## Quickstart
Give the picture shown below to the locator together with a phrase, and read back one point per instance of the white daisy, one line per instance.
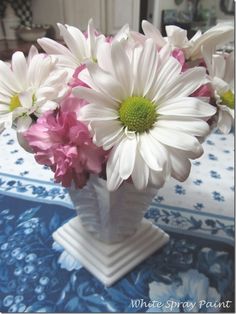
(177, 38)
(221, 74)
(28, 88)
(80, 49)
(140, 109)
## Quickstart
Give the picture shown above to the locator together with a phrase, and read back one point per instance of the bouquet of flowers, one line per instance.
(133, 107)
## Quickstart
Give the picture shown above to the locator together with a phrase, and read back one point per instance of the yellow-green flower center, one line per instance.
(138, 114)
(14, 102)
(227, 99)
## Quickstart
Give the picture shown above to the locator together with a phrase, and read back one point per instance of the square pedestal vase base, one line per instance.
(109, 262)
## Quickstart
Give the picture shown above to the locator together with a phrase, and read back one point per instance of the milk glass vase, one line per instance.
(110, 236)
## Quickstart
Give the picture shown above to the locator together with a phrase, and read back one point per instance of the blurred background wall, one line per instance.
(110, 15)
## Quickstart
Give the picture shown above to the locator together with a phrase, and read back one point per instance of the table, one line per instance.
(37, 275)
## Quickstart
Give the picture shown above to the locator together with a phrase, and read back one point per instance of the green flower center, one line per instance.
(138, 114)
(14, 102)
(228, 99)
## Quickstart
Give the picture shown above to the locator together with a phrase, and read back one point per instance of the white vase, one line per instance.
(110, 236)
(111, 216)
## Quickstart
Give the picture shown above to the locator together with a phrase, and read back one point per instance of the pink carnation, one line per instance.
(70, 103)
(109, 39)
(179, 55)
(75, 81)
(204, 91)
(64, 144)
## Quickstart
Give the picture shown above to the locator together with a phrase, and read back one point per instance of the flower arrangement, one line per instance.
(133, 107)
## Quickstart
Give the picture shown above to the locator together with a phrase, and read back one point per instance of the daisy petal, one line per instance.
(220, 85)
(154, 154)
(54, 48)
(104, 57)
(19, 67)
(168, 74)
(32, 52)
(96, 113)
(186, 106)
(86, 78)
(4, 99)
(101, 78)
(76, 45)
(57, 77)
(165, 52)
(6, 120)
(176, 35)
(152, 32)
(5, 92)
(94, 97)
(219, 64)
(122, 34)
(186, 84)
(113, 177)
(127, 157)
(137, 52)
(146, 76)
(229, 70)
(177, 140)
(225, 120)
(46, 92)
(122, 66)
(8, 78)
(48, 105)
(181, 166)
(140, 172)
(4, 108)
(215, 36)
(91, 38)
(191, 126)
(207, 52)
(79, 39)
(106, 133)
(39, 70)
(157, 178)
(26, 99)
(23, 123)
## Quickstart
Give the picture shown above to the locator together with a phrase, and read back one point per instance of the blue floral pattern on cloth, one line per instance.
(209, 187)
(37, 275)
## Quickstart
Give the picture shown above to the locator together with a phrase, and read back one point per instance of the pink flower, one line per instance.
(67, 168)
(109, 39)
(64, 144)
(70, 103)
(75, 81)
(204, 91)
(179, 55)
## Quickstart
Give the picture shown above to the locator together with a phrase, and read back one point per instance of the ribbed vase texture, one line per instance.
(111, 216)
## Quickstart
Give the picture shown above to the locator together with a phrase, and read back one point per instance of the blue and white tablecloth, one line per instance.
(209, 188)
(194, 272)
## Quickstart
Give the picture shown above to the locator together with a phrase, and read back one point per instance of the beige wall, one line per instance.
(108, 15)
